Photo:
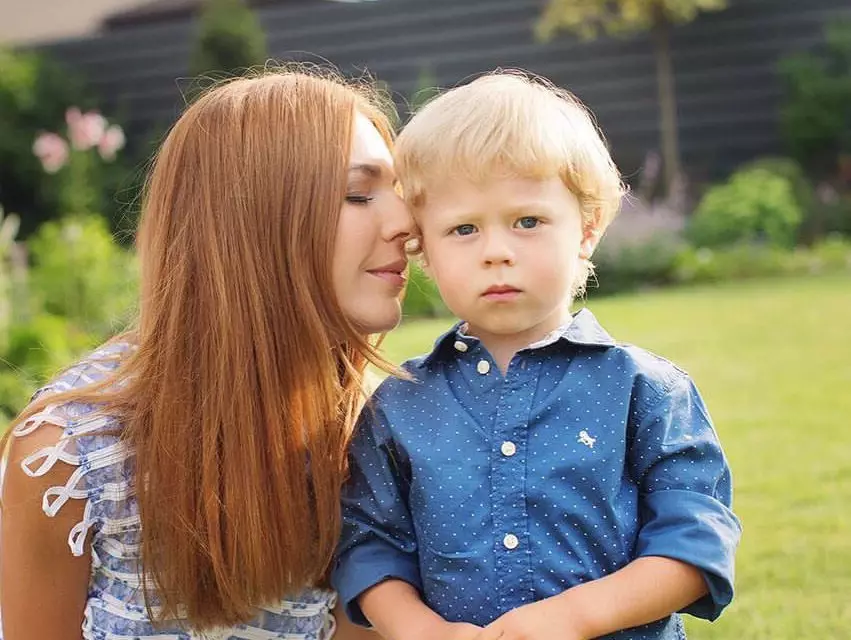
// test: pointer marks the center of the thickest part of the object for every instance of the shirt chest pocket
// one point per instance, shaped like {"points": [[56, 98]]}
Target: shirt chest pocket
{"points": [[449, 499]]}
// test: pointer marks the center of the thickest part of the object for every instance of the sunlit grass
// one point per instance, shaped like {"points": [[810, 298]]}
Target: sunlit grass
{"points": [[773, 361]]}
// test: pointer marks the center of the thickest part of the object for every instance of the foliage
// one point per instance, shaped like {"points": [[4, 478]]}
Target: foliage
{"points": [[80, 273], [9, 225], [740, 262], [426, 89], [755, 205], [816, 117], [422, 299], [589, 18], [634, 266], [230, 39], [34, 94], [78, 169]]}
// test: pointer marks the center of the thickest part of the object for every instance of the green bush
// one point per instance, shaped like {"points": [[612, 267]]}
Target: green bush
{"points": [[832, 216], [79, 272], [230, 39], [755, 206], [816, 118], [737, 262], [45, 344], [792, 171], [648, 264], [15, 393], [422, 299], [37, 351]]}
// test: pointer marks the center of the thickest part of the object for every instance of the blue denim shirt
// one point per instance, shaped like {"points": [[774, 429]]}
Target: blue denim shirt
{"points": [[488, 492]]}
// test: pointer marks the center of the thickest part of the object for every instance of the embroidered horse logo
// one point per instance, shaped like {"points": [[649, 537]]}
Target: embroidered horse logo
{"points": [[586, 439]]}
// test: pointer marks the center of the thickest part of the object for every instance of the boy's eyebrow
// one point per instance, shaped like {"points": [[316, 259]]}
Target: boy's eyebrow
{"points": [[534, 207]]}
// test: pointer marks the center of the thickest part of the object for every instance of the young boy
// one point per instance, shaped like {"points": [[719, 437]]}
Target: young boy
{"points": [[535, 479]]}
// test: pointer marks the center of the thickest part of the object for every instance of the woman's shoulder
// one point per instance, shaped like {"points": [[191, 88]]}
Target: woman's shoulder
{"points": [[93, 368], [70, 452]]}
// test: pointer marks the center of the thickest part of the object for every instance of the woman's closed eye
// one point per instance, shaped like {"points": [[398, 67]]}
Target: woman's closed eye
{"points": [[359, 199]]}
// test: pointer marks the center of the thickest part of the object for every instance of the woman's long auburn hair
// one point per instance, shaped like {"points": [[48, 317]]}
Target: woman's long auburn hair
{"points": [[240, 398]]}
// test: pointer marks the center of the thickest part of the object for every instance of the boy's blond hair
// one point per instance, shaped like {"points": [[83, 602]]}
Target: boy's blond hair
{"points": [[509, 123]]}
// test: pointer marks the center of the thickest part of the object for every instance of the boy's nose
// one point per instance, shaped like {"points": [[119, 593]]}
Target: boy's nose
{"points": [[497, 250]]}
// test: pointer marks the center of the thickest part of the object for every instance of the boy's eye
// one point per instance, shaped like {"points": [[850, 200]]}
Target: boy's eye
{"points": [[464, 230], [528, 222], [358, 199]]}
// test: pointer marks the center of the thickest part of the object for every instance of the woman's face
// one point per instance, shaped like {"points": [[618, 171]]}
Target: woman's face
{"points": [[369, 258]]}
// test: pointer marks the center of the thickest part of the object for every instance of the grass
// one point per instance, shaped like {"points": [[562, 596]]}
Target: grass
{"points": [[773, 361]]}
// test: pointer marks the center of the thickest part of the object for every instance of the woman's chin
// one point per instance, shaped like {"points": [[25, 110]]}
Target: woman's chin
{"points": [[382, 317]]}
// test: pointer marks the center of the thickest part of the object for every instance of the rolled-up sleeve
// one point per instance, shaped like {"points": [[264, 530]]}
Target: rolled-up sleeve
{"points": [[685, 490], [378, 540]]}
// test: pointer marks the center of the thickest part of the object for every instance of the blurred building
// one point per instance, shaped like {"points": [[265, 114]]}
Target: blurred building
{"points": [[24, 22], [728, 90]]}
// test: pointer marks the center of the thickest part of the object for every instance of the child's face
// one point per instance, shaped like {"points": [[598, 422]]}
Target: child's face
{"points": [[505, 254]]}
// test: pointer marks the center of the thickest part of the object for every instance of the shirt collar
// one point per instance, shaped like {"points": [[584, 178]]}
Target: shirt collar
{"points": [[582, 329]]}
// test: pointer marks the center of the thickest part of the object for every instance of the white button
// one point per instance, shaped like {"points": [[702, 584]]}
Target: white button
{"points": [[510, 541], [461, 346], [483, 367], [508, 448]]}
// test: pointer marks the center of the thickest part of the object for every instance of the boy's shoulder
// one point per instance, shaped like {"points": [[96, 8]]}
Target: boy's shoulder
{"points": [[416, 377], [648, 376]]}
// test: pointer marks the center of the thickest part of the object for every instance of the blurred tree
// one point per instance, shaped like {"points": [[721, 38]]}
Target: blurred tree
{"points": [[426, 89], [230, 39], [588, 18], [816, 117]]}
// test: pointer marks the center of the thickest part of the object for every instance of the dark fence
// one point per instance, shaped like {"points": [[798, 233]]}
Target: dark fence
{"points": [[729, 94]]}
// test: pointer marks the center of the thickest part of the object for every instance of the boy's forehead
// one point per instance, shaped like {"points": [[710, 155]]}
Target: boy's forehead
{"points": [[461, 195]]}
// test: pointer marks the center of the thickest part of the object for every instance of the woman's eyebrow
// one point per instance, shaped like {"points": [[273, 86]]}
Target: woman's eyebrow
{"points": [[372, 170]]}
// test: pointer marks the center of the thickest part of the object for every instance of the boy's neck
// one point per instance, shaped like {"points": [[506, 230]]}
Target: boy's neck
{"points": [[503, 347]]}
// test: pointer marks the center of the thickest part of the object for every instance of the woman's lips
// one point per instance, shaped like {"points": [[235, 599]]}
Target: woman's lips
{"points": [[395, 278]]}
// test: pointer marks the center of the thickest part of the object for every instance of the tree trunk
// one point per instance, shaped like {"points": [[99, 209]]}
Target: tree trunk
{"points": [[668, 124]]}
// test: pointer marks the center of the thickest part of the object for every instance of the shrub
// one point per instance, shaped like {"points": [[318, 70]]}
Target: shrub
{"points": [[230, 39], [422, 299], [755, 205], [34, 94], [816, 118], [738, 262], [634, 266], [80, 273]]}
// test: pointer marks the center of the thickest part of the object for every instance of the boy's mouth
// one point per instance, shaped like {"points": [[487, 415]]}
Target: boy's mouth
{"points": [[501, 293]]}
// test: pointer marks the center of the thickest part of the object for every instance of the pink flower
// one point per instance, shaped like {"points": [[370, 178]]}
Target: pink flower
{"points": [[111, 142], [52, 150], [85, 129]]}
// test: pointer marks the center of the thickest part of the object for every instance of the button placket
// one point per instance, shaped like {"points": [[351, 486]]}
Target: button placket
{"points": [[508, 485]]}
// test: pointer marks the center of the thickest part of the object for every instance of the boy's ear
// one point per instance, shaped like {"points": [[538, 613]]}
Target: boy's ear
{"points": [[424, 265], [415, 250], [591, 236]]}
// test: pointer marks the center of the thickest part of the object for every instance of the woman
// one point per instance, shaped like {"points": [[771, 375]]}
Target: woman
{"points": [[194, 464]]}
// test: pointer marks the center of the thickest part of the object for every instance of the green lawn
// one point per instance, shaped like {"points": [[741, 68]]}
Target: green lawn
{"points": [[774, 364]]}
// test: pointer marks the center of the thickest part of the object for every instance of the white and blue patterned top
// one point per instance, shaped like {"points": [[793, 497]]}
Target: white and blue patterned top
{"points": [[104, 478]]}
